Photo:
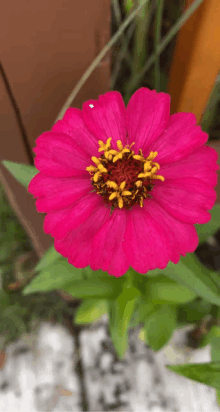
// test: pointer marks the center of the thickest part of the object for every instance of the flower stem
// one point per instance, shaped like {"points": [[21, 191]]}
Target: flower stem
{"points": [[121, 56], [157, 39], [124, 39], [172, 32], [211, 107], [142, 26]]}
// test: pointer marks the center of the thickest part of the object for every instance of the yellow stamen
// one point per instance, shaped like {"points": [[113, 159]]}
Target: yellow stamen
{"points": [[138, 157], [158, 177], [112, 184], [130, 154], [99, 169], [107, 155], [96, 160], [126, 193], [113, 195], [102, 168], [96, 176], [154, 169], [156, 164], [134, 195], [152, 155], [138, 183], [120, 155], [147, 166], [91, 168], [104, 146], [119, 144], [112, 151], [119, 192], [122, 186], [147, 174], [120, 202]]}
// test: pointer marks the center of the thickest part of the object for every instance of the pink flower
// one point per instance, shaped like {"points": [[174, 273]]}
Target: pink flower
{"points": [[124, 186]]}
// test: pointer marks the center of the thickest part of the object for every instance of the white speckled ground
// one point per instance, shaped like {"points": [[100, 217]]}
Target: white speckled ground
{"points": [[40, 375]]}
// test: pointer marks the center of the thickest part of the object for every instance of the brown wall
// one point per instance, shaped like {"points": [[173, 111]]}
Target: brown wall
{"points": [[45, 48]]}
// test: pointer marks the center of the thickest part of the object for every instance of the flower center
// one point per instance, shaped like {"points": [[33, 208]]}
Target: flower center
{"points": [[122, 178]]}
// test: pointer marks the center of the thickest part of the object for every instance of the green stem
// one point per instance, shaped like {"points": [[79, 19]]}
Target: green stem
{"points": [[123, 50], [128, 5], [140, 44], [172, 32], [98, 59], [211, 108], [157, 39], [124, 38], [121, 56]]}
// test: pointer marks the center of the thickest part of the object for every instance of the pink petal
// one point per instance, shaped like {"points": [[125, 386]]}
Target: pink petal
{"points": [[182, 236], [153, 238], [59, 222], [201, 164], [186, 199], [107, 252], [146, 246], [106, 117], [56, 193], [147, 116], [59, 156], [77, 244], [74, 126], [179, 139]]}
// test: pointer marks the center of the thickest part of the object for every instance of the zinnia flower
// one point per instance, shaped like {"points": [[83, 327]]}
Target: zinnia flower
{"points": [[123, 186]]}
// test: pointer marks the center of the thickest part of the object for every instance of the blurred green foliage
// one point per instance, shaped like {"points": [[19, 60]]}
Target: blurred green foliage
{"points": [[17, 259]]}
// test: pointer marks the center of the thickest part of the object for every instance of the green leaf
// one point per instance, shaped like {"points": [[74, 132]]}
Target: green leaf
{"points": [[5, 252], [4, 301], [206, 373], [211, 110], [161, 289], [23, 173], [155, 272], [90, 310], [50, 257], [12, 317], [128, 4], [53, 277], [61, 275], [141, 311], [214, 332], [218, 396], [204, 231], [160, 326], [215, 347], [191, 273], [193, 311], [120, 312], [214, 339], [15, 309], [94, 288], [138, 281]]}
